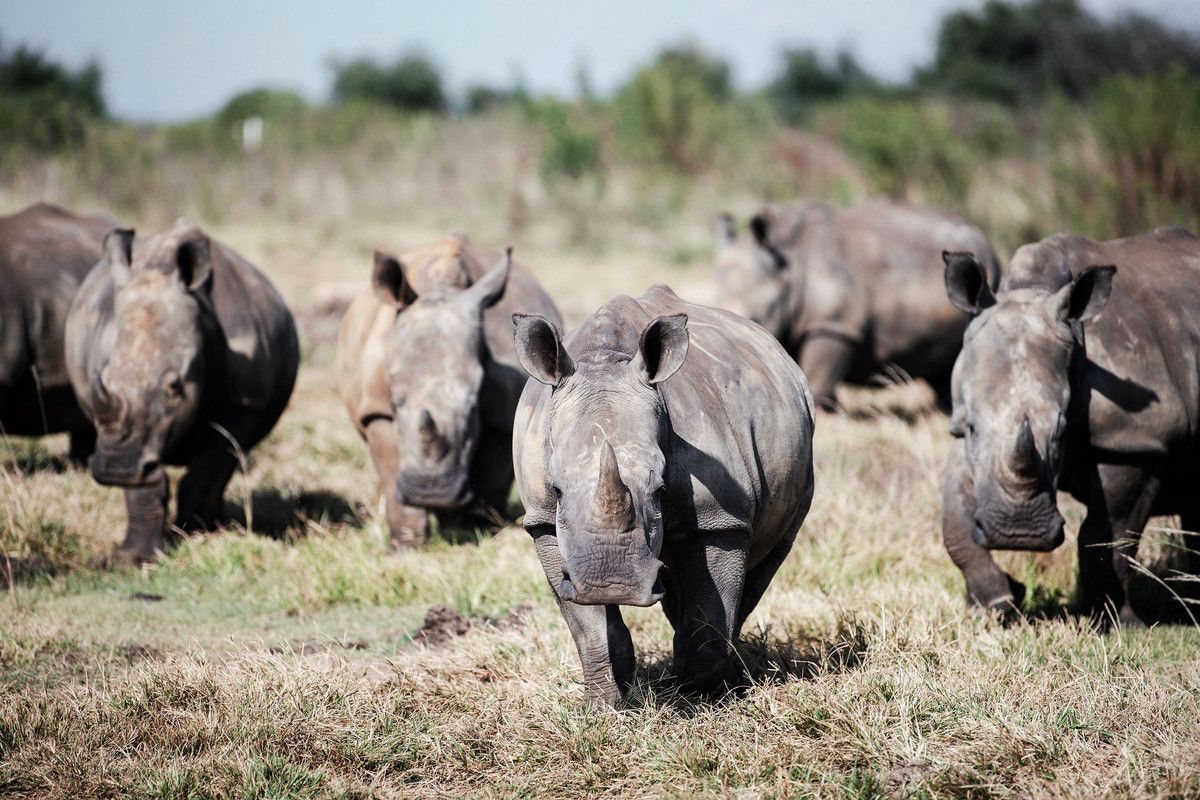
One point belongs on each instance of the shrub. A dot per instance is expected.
(411, 83)
(42, 104)
(805, 79)
(571, 146)
(670, 113)
(1150, 129)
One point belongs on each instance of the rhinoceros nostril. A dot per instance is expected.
(978, 534)
(566, 589)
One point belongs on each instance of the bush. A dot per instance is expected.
(805, 79)
(670, 113)
(1018, 52)
(42, 104)
(571, 146)
(411, 83)
(1150, 129)
(270, 104)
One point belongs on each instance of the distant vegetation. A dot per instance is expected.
(1029, 118)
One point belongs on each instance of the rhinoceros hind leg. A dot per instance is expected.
(704, 580)
(1191, 543)
(146, 511)
(758, 578)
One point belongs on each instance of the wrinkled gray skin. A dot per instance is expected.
(182, 353)
(853, 294)
(45, 253)
(431, 379)
(664, 452)
(1078, 377)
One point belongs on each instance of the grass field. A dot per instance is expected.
(292, 655)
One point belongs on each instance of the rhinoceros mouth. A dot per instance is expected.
(1037, 543)
(614, 594)
(441, 494)
(122, 470)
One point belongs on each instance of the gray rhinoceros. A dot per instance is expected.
(182, 353)
(45, 253)
(1081, 374)
(663, 452)
(429, 377)
(853, 294)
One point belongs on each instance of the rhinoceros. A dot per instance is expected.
(663, 452)
(45, 253)
(1081, 374)
(182, 353)
(852, 294)
(429, 377)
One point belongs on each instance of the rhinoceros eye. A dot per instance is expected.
(172, 389)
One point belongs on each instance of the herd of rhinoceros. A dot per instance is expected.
(662, 449)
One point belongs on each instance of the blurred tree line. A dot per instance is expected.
(1004, 81)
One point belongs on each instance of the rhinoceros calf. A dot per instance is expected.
(852, 294)
(182, 353)
(429, 378)
(664, 451)
(1081, 374)
(45, 253)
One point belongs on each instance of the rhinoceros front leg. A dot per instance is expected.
(825, 360)
(704, 579)
(601, 638)
(1119, 505)
(988, 587)
(407, 525)
(146, 513)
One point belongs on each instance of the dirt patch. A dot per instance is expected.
(138, 652)
(443, 625)
(146, 597)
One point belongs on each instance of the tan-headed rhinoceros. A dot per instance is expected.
(1081, 374)
(663, 452)
(853, 294)
(428, 375)
(182, 353)
(45, 253)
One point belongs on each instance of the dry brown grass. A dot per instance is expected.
(278, 662)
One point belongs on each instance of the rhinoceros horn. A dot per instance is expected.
(613, 500)
(1025, 460)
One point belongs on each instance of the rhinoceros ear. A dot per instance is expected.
(662, 347)
(389, 281)
(967, 283)
(488, 290)
(1085, 296)
(118, 251)
(194, 260)
(540, 349)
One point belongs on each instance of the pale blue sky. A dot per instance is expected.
(168, 60)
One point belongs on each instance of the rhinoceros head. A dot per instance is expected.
(604, 458)
(147, 395)
(437, 357)
(751, 274)
(1012, 391)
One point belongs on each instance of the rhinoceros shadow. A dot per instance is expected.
(280, 515)
(767, 657)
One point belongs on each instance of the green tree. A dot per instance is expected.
(806, 78)
(42, 103)
(671, 111)
(410, 83)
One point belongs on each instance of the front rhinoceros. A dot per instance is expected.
(663, 452)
